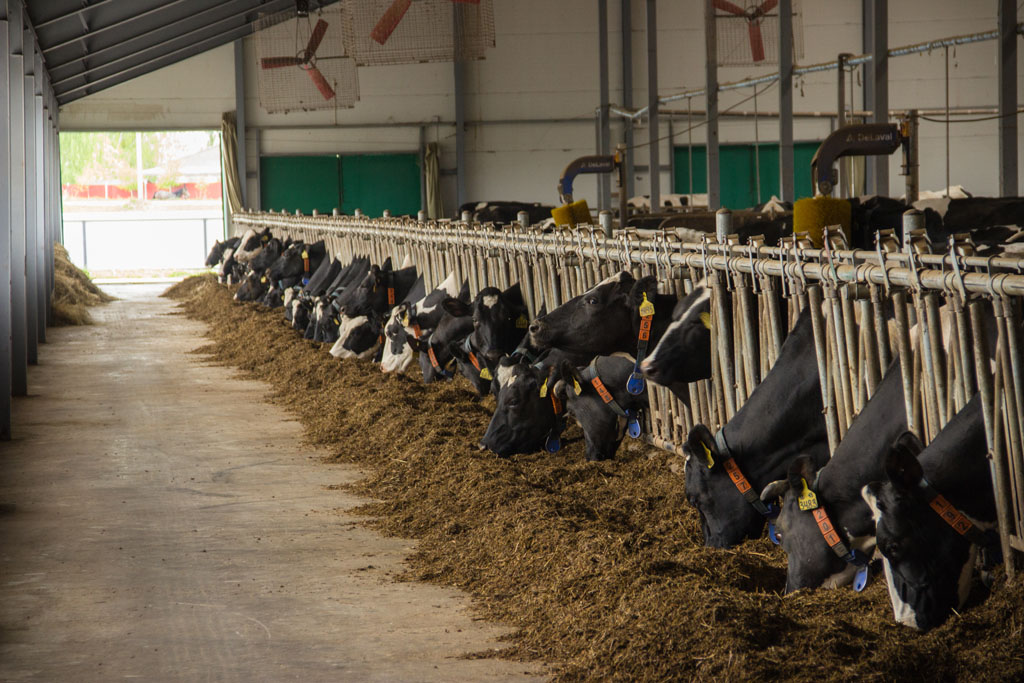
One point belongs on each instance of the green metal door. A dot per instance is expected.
(738, 179)
(370, 182)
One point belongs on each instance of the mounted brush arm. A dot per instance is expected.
(594, 163)
(860, 139)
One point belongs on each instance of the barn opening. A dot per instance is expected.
(141, 204)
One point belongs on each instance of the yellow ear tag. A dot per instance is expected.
(576, 387)
(707, 456)
(544, 389)
(646, 308)
(522, 323)
(485, 373)
(405, 320)
(305, 254)
(263, 279)
(807, 499)
(705, 318)
(337, 322)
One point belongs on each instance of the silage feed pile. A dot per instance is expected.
(598, 567)
(73, 291)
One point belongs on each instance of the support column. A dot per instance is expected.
(878, 83)
(1007, 79)
(711, 88)
(5, 232)
(460, 110)
(240, 121)
(16, 105)
(787, 192)
(653, 128)
(604, 133)
(627, 96)
(31, 191)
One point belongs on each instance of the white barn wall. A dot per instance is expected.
(544, 66)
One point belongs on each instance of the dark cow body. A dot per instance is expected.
(365, 312)
(450, 330)
(505, 212)
(603, 427)
(927, 563)
(781, 420)
(683, 354)
(858, 459)
(218, 249)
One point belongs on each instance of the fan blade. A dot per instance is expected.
(316, 36)
(727, 6)
(756, 43)
(766, 7)
(387, 24)
(276, 62)
(321, 83)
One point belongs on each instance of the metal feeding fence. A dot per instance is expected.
(936, 310)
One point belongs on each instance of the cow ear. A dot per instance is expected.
(700, 444)
(901, 464)
(387, 264)
(568, 373)
(644, 288)
(514, 296)
(456, 307)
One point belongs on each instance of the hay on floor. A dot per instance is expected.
(73, 291)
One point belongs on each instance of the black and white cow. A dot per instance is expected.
(415, 320)
(499, 325)
(304, 303)
(436, 359)
(683, 354)
(781, 420)
(292, 264)
(833, 494)
(361, 332)
(253, 288)
(217, 250)
(934, 510)
(251, 243)
(595, 395)
(327, 310)
(528, 415)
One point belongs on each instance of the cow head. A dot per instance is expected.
(683, 354)
(291, 264)
(725, 517)
(474, 365)
(216, 251)
(450, 330)
(927, 565)
(266, 257)
(328, 322)
(499, 319)
(397, 352)
(358, 337)
(254, 286)
(810, 560)
(603, 428)
(598, 322)
(523, 418)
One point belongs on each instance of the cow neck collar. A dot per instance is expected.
(636, 384)
(742, 484)
(591, 375)
(553, 441)
(481, 368)
(807, 501)
(953, 517)
(434, 364)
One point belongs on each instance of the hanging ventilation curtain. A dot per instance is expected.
(229, 160)
(432, 171)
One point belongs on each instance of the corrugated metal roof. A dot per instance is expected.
(90, 45)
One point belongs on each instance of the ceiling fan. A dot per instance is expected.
(305, 59)
(393, 16)
(753, 16)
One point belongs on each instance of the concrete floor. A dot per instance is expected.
(167, 526)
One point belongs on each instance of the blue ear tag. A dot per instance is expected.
(635, 384)
(772, 533)
(553, 444)
(633, 425)
(860, 580)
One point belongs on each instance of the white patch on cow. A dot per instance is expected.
(345, 329)
(620, 276)
(223, 261)
(289, 294)
(480, 206)
(490, 301)
(296, 305)
(245, 256)
(449, 287)
(901, 611)
(683, 319)
(390, 361)
(506, 375)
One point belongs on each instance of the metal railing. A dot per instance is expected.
(944, 305)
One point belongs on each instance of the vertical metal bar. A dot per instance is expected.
(711, 88)
(786, 182)
(5, 232)
(16, 101)
(604, 144)
(946, 51)
(653, 127)
(879, 83)
(459, 66)
(85, 251)
(29, 172)
(820, 346)
(627, 100)
(841, 118)
(243, 185)
(912, 171)
(42, 300)
(1006, 76)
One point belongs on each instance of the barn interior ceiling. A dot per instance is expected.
(91, 45)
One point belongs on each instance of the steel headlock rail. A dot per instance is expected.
(930, 310)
